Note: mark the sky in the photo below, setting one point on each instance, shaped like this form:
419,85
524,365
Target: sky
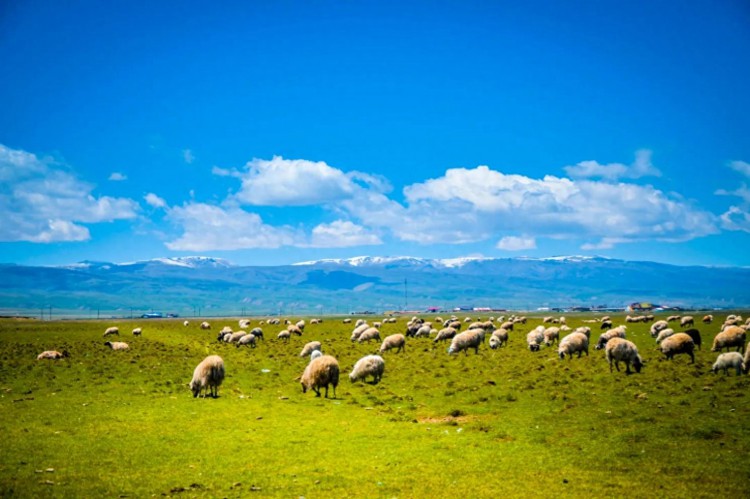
275,132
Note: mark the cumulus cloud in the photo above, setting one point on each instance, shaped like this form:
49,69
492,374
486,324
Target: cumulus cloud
188,156
208,227
154,200
42,201
741,166
515,243
340,234
117,177
641,167
299,182
737,217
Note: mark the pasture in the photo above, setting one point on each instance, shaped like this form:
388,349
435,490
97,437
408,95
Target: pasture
503,422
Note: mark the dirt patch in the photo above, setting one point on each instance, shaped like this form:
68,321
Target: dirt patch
446,419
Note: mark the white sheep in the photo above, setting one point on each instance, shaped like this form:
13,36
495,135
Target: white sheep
468,339
370,334
117,345
397,341
732,336
423,331
369,365
551,334
618,332
309,348
294,329
284,335
499,338
52,355
137,331
186,323
728,360
686,321
234,337
359,322
208,376
247,339
708,319
111,330
226,329
663,334
535,338
584,330
572,343
676,344
301,324
243,323
621,350
446,333
205,325
320,373
359,330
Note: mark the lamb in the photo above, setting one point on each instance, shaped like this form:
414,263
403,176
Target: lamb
535,338
372,333
733,336
370,365
572,343
205,325
208,376
468,339
551,334
320,373
618,332
728,360
686,321
446,333
111,330
52,355
117,345
358,331
309,347
137,331
393,341
657,326
676,344
621,350
247,339
499,338
664,334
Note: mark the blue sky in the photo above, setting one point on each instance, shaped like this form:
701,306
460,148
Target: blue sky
275,132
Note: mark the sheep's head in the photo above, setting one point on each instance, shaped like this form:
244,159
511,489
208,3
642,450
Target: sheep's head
637,363
562,355
65,353
534,347
195,387
108,344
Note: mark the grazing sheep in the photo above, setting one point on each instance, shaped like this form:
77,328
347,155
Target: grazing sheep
507,325
244,323
733,336
695,335
347,321
708,319
301,324
377,324
728,360
369,365
551,334
446,333
186,323
372,333
234,337
618,332
547,319
208,376
605,325
468,339
358,330
257,332
393,341
686,321
294,329
572,343
535,338
676,344
248,339
499,338
205,325
111,330
423,331
584,330
359,322
673,318
663,334
320,373
315,354
52,355
457,325
621,350
137,331
284,335
658,326
226,329
309,347
117,345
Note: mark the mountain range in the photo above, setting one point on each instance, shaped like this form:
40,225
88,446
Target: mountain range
213,286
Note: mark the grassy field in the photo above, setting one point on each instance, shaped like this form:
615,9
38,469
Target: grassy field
509,421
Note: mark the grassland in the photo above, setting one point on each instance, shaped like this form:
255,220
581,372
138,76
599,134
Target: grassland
506,422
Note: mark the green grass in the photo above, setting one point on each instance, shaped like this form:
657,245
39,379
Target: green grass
508,421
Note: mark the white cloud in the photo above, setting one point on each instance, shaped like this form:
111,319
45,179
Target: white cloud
514,243
298,182
741,166
736,218
641,167
208,227
188,156
341,234
42,201
117,177
741,192
154,200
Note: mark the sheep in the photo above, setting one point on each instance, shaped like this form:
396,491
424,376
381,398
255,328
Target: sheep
686,321
547,319
52,355
309,347
423,331
695,335
621,350
656,327
111,330
676,344
359,322
663,334
321,372
499,338
584,330
315,321
572,343
284,335
397,341
301,324
234,337
606,324
186,323
294,329
358,331
733,336
728,360
137,331
257,332
347,321
369,365
457,325
370,334
551,334
377,324
618,332
507,325
205,325
315,354
226,329
446,333
247,339
468,339
243,323
673,318
535,338
117,345
208,376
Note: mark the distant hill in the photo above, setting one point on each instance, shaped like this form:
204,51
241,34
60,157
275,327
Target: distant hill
186,284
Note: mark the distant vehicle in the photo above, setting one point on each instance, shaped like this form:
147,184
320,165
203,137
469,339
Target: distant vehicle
172,316
152,315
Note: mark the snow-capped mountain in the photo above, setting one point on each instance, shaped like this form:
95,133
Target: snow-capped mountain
191,262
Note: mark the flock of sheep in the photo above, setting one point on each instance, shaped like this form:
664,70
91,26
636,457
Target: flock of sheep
322,370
